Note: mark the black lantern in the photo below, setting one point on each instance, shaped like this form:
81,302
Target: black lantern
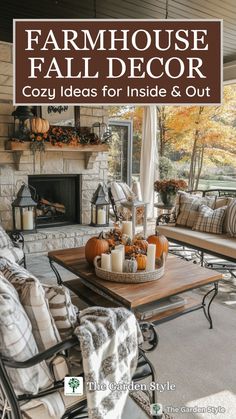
22,127
24,211
99,208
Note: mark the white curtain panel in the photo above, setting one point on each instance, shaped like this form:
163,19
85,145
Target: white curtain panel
149,157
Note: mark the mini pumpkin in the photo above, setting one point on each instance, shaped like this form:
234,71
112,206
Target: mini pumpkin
129,247
130,265
142,244
141,261
95,247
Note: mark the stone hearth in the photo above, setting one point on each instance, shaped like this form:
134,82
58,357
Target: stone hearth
54,238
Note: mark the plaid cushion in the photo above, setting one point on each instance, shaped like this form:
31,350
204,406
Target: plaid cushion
32,297
62,309
17,342
189,206
5,240
230,219
209,220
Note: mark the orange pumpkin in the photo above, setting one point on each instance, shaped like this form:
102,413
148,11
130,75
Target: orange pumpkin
161,242
141,261
39,125
95,247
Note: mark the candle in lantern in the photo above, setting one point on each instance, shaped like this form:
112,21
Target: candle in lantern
151,257
106,261
116,261
18,219
101,216
127,228
28,220
94,215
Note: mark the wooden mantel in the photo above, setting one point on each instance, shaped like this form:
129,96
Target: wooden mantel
25,146
18,149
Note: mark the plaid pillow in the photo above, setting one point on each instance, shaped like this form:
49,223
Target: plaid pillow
230,219
17,342
62,309
189,206
5,240
32,297
209,220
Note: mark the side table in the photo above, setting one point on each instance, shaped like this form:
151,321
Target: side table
132,206
166,213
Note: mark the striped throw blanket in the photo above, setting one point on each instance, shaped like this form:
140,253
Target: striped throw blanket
109,341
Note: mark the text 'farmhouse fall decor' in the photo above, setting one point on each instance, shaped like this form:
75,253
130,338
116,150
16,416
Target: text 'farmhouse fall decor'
119,258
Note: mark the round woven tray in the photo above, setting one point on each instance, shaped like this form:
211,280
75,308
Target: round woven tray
135,278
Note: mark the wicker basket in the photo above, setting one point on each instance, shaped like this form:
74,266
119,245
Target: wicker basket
135,278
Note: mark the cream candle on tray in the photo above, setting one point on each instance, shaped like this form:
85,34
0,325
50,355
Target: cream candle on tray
127,228
151,257
106,261
121,248
116,261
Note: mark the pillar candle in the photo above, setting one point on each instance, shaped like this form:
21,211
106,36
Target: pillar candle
101,217
116,261
106,261
151,257
121,248
28,220
127,228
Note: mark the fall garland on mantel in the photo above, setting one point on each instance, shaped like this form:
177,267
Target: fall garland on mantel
42,133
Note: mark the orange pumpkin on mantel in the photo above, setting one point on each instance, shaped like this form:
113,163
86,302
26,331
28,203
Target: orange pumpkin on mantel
161,242
39,125
95,247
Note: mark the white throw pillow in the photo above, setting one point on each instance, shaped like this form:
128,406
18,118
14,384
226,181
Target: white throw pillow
32,297
209,220
17,342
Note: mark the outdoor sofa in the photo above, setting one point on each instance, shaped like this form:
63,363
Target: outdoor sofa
205,221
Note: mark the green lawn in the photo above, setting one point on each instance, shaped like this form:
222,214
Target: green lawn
217,184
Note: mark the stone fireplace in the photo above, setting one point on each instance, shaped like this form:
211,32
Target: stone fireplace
89,165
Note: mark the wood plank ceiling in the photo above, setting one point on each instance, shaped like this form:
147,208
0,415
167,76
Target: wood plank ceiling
129,9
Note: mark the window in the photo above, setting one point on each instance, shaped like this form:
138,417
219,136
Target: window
120,151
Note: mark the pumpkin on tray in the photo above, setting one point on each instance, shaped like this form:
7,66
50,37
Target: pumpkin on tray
141,261
161,242
95,246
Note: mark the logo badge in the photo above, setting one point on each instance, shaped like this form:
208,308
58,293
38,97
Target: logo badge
73,386
156,409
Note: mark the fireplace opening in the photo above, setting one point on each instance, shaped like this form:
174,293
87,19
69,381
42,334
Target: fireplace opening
58,199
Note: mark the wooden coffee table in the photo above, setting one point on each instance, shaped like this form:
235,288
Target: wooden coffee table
180,277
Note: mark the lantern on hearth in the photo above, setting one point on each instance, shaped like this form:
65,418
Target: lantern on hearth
99,208
24,211
22,126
